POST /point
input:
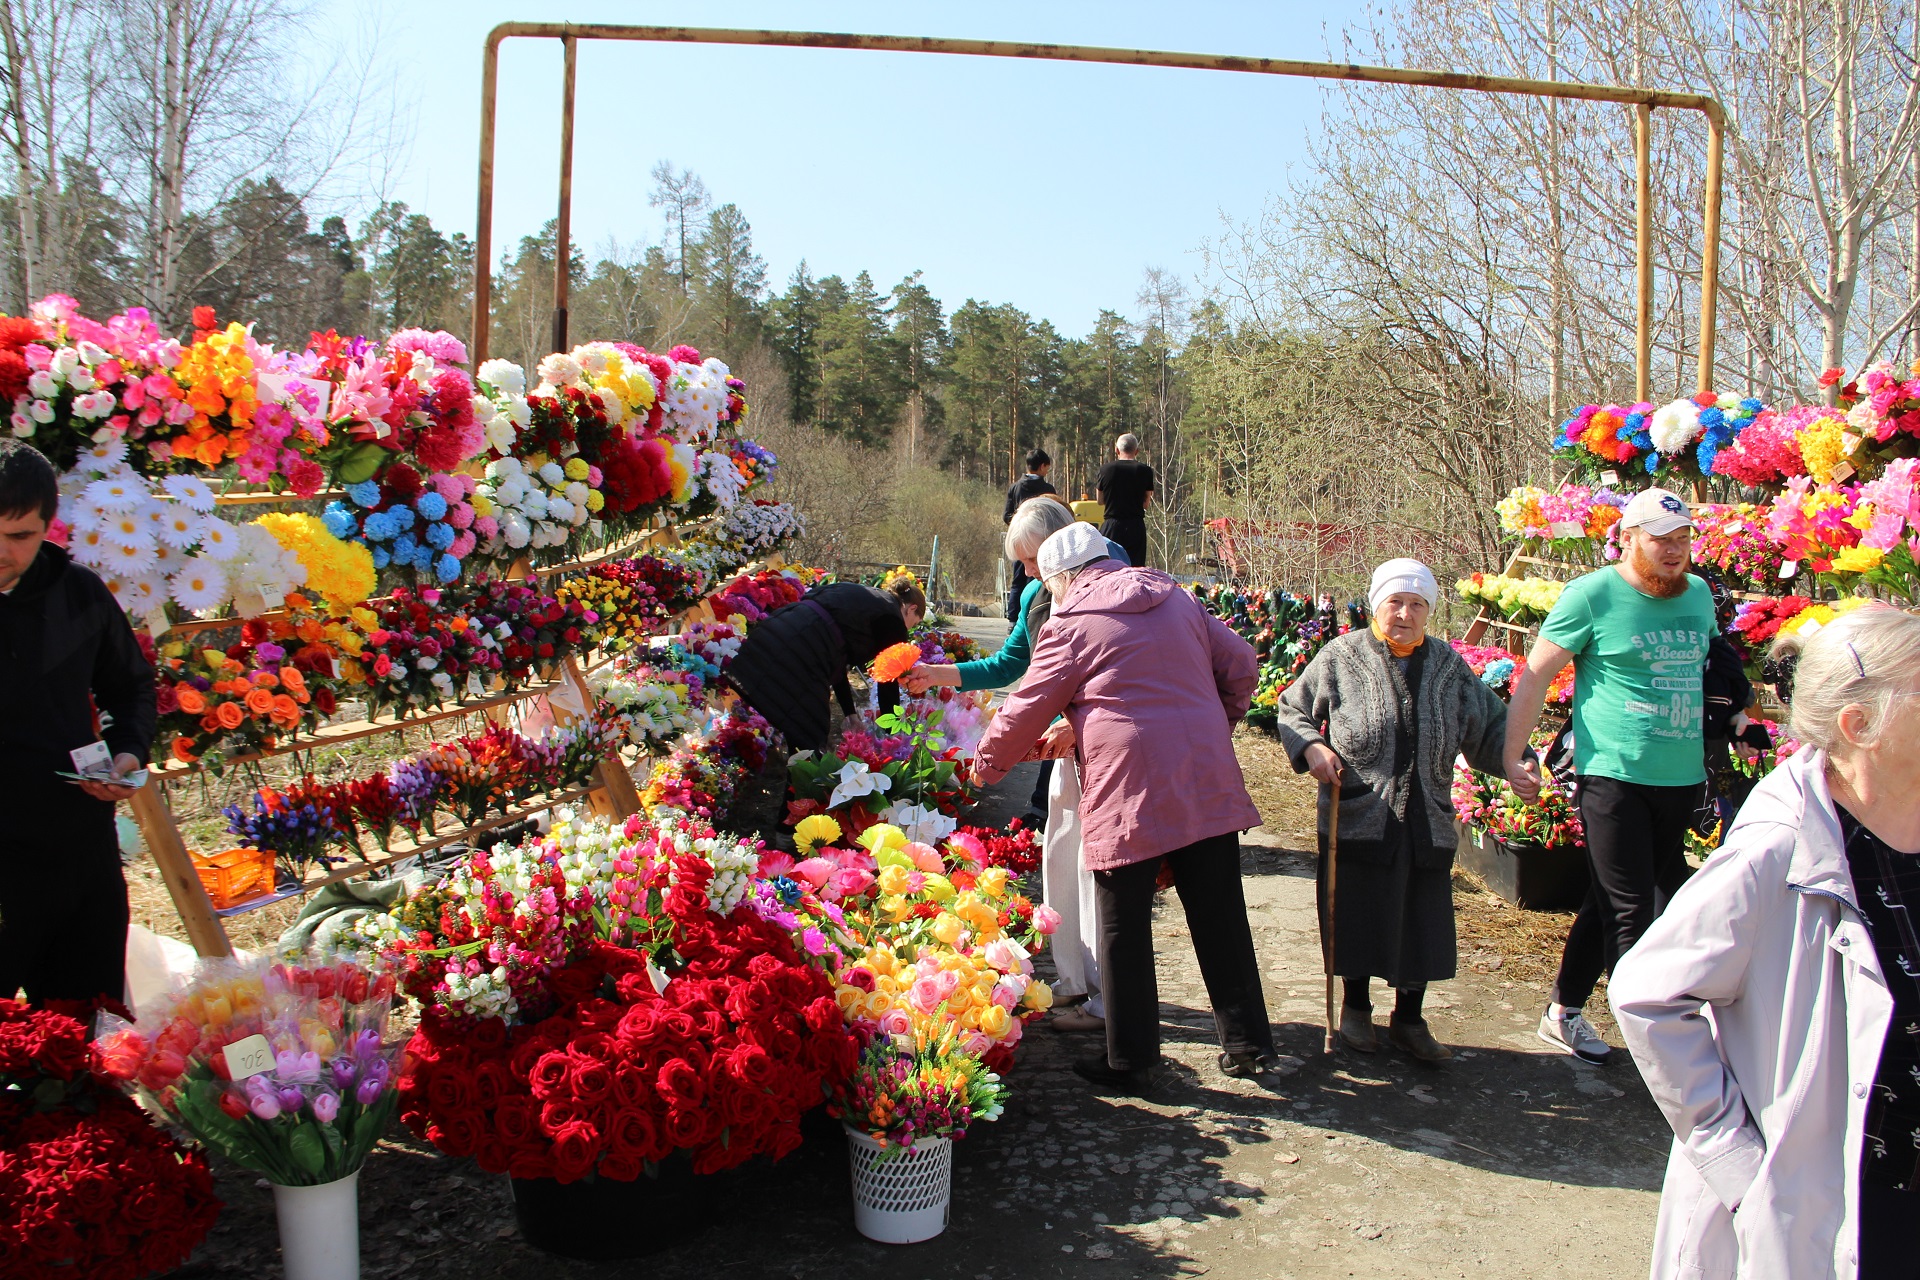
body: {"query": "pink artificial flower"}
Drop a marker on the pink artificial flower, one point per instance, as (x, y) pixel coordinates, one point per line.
(438, 343)
(775, 863)
(486, 526)
(924, 858)
(684, 354)
(1045, 920)
(305, 475)
(815, 871)
(463, 545)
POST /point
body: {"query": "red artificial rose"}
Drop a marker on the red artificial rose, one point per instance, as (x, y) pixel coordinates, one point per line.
(550, 1075)
(491, 1154)
(513, 1120)
(592, 1081)
(575, 1148)
(633, 1131)
(555, 1116)
(450, 1089)
(688, 1127)
(619, 1168)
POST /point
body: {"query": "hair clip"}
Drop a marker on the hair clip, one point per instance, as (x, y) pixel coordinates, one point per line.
(1858, 665)
(1778, 672)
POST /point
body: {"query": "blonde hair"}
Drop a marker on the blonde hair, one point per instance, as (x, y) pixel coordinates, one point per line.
(1864, 658)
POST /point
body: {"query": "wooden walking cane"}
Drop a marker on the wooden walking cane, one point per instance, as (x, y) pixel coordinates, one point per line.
(1326, 933)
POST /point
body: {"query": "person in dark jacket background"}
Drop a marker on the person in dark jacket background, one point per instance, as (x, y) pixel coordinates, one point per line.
(789, 662)
(1027, 487)
(71, 673)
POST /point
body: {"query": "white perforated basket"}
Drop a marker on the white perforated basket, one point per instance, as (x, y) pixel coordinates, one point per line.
(902, 1199)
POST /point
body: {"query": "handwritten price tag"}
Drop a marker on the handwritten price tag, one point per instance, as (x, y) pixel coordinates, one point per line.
(273, 597)
(248, 1057)
(1609, 477)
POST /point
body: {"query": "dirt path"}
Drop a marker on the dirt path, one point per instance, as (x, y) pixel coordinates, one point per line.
(1510, 1161)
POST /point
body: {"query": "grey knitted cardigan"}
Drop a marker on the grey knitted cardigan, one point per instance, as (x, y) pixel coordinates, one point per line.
(1353, 698)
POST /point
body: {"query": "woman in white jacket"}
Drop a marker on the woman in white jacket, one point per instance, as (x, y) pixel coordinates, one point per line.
(1774, 1009)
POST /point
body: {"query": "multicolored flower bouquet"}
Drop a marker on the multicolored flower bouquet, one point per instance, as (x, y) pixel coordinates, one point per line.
(1682, 436)
(282, 1068)
(1489, 804)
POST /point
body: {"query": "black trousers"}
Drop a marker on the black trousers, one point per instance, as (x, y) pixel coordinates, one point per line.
(63, 898)
(1207, 874)
(1131, 533)
(1636, 854)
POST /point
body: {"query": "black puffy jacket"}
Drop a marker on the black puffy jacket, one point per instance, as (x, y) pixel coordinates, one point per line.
(66, 649)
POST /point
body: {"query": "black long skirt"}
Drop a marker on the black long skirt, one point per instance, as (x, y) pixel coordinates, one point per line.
(1394, 920)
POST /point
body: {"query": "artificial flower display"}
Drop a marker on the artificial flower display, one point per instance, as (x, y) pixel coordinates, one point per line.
(918, 1085)
(623, 996)
(89, 1186)
(420, 525)
(308, 1106)
(1734, 538)
(753, 529)
(1682, 436)
(654, 707)
(1485, 803)
(245, 699)
(1572, 515)
(751, 597)
(341, 573)
(1519, 599)
(635, 598)
(906, 761)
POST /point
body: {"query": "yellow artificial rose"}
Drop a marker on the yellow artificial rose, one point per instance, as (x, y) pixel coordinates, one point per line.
(939, 888)
(894, 907)
(993, 882)
(1039, 996)
(895, 880)
(995, 1022)
(847, 998)
(946, 927)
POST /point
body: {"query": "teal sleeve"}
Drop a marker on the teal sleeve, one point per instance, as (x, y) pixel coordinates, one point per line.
(1010, 663)
(1570, 623)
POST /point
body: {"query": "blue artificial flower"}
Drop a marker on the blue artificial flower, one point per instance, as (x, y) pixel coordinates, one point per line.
(403, 547)
(1625, 432)
(364, 494)
(1704, 455)
(423, 559)
(440, 536)
(1653, 462)
(380, 558)
(339, 521)
(1496, 673)
(1752, 404)
(431, 505)
(1712, 417)
(402, 517)
(1643, 440)
(377, 527)
(1636, 420)
(446, 568)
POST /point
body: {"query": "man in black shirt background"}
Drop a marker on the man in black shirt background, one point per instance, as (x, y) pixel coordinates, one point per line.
(1125, 485)
(1030, 485)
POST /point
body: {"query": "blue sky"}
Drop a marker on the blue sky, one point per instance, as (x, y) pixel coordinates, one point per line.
(1048, 185)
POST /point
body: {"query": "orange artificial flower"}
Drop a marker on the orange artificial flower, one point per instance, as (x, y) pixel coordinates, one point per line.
(190, 700)
(266, 679)
(895, 661)
(183, 751)
(210, 722)
(260, 702)
(293, 681)
(286, 712)
(231, 716)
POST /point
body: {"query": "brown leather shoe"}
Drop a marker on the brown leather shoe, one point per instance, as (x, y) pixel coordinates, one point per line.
(1077, 1019)
(1356, 1030)
(1413, 1039)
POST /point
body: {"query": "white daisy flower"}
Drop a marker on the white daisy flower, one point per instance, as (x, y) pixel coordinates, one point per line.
(174, 523)
(136, 595)
(132, 558)
(117, 493)
(200, 585)
(83, 515)
(105, 456)
(217, 539)
(88, 546)
(191, 490)
(129, 528)
(166, 559)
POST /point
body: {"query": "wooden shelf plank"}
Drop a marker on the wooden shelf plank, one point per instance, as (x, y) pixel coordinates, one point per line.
(254, 497)
(353, 730)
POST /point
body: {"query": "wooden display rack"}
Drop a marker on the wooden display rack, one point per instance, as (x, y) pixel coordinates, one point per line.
(612, 792)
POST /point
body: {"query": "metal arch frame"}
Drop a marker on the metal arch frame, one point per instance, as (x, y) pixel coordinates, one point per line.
(1643, 100)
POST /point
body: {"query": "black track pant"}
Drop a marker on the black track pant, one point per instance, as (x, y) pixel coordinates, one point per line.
(1636, 852)
(63, 899)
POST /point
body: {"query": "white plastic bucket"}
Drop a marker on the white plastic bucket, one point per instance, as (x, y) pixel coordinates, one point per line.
(320, 1229)
(904, 1198)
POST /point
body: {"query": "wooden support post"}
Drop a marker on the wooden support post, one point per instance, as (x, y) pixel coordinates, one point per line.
(621, 798)
(1643, 240)
(170, 854)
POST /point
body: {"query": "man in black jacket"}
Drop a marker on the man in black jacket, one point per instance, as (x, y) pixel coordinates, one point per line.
(1030, 485)
(71, 674)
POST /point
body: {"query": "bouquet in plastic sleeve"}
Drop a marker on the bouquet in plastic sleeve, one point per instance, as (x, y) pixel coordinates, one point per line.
(283, 1068)
(916, 1085)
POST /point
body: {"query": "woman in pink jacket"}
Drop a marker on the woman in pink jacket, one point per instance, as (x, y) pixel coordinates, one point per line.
(1152, 685)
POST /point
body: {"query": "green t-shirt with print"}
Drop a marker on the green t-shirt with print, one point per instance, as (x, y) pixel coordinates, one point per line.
(1637, 665)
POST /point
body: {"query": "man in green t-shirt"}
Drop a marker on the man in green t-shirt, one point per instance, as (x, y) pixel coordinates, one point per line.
(1637, 635)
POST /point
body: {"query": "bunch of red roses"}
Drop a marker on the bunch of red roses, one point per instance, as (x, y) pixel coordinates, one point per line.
(754, 596)
(712, 1038)
(88, 1186)
(1017, 848)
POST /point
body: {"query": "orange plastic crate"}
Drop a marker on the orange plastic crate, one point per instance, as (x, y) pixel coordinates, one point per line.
(233, 876)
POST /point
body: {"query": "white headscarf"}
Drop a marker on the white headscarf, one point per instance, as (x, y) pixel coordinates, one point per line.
(1395, 576)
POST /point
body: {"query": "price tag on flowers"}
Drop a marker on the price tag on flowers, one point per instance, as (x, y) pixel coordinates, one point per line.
(248, 1057)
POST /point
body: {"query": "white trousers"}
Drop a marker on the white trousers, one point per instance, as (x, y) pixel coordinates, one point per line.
(1067, 887)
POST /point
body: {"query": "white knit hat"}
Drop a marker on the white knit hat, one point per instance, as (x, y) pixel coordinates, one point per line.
(1395, 576)
(1069, 548)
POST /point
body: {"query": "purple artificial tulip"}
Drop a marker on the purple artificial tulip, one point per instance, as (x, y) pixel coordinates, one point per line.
(291, 1099)
(326, 1106)
(369, 1091)
(344, 1073)
(265, 1104)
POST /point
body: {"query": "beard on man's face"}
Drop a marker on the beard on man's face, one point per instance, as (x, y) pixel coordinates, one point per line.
(1657, 579)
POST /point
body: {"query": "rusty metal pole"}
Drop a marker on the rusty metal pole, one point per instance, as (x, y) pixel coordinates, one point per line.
(570, 31)
(483, 219)
(1710, 247)
(1643, 241)
(563, 233)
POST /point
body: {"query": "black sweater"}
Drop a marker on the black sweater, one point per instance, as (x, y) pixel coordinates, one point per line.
(65, 649)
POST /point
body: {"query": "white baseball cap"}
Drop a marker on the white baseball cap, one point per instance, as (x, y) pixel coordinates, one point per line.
(1069, 548)
(1658, 512)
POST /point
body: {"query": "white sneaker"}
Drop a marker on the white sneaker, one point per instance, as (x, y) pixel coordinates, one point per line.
(1572, 1033)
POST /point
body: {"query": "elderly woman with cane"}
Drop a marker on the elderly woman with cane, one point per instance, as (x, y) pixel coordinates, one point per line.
(1380, 715)
(1774, 1009)
(1152, 685)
